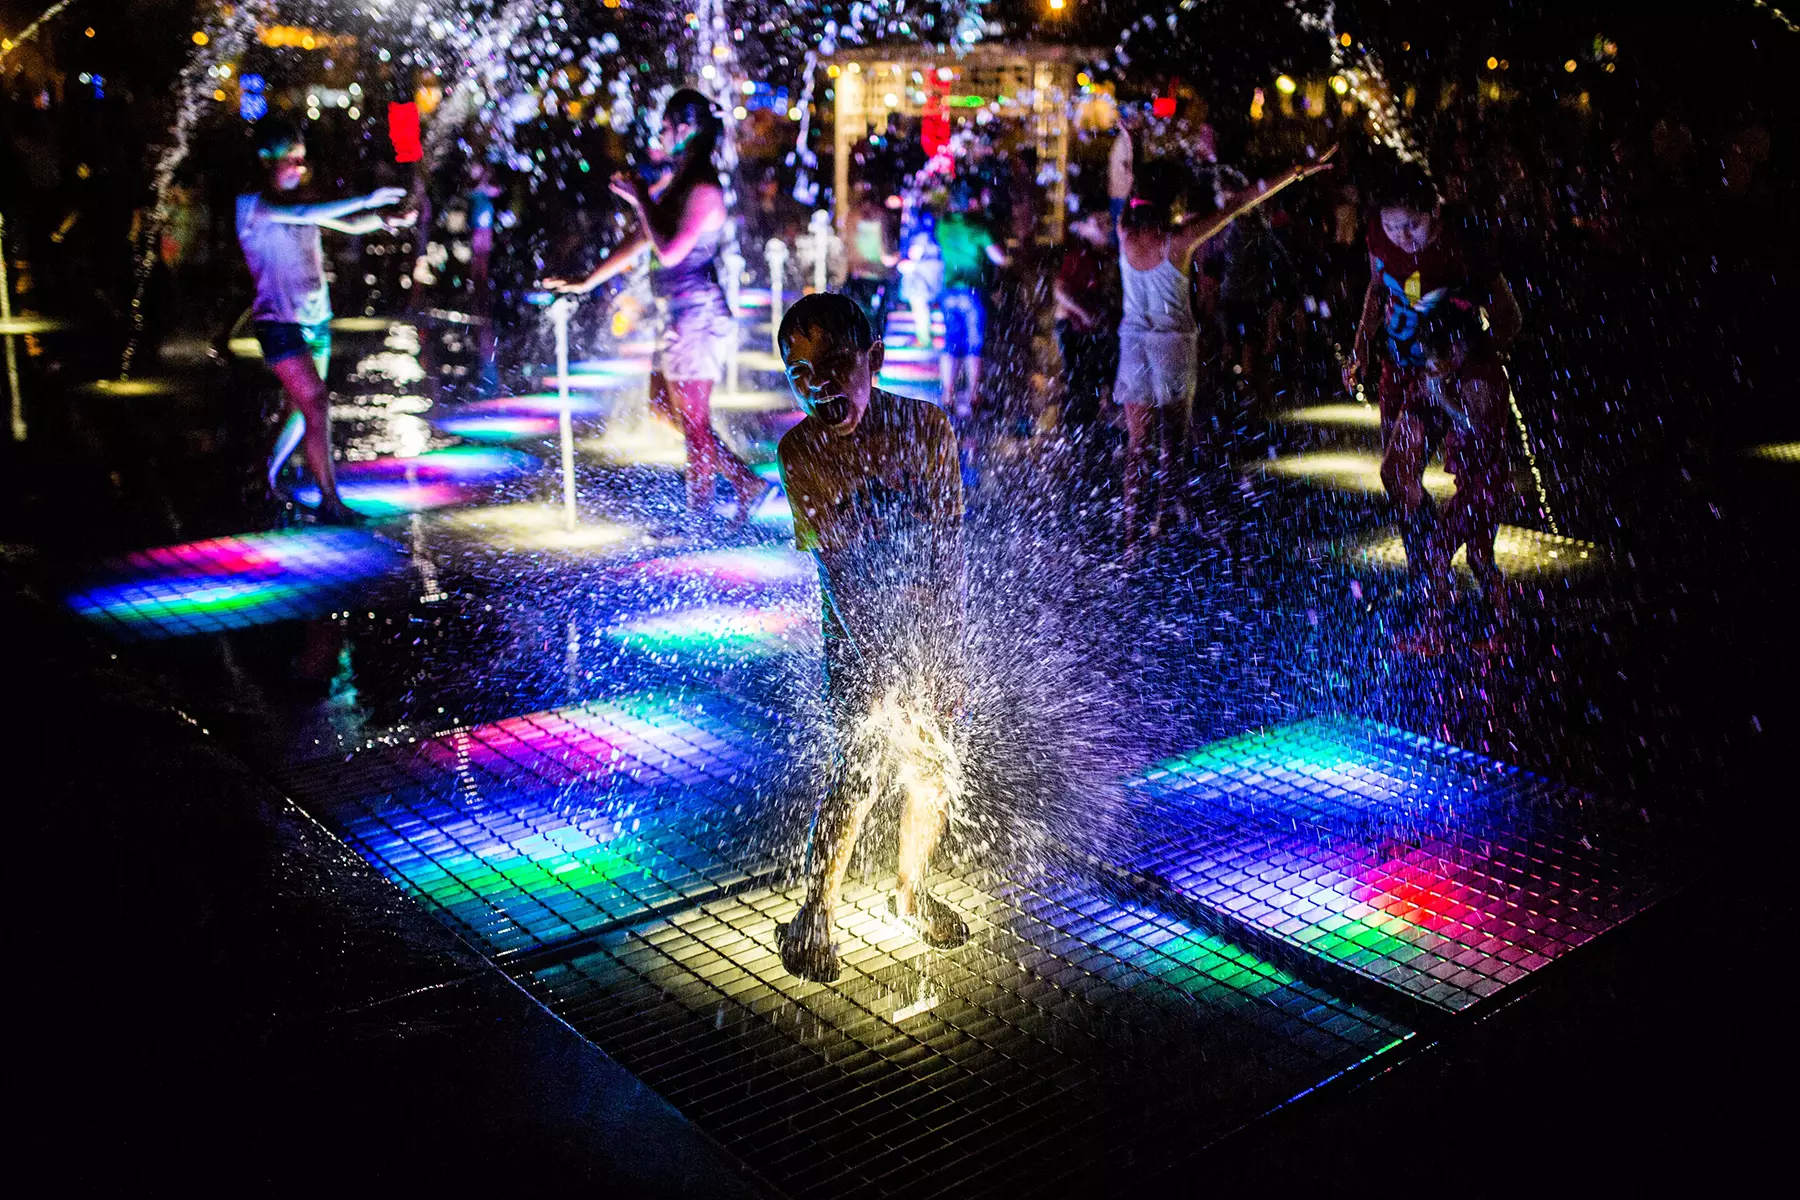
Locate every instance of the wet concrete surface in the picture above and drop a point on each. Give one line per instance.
(226, 996)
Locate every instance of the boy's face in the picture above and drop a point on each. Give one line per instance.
(831, 378)
(1408, 228)
(287, 170)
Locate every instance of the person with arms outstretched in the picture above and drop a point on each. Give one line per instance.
(876, 491)
(1158, 352)
(279, 235)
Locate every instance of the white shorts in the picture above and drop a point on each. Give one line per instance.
(1155, 368)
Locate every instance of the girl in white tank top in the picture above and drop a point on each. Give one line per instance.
(1155, 384)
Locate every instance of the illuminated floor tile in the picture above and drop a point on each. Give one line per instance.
(437, 479)
(528, 831)
(1781, 452)
(233, 582)
(1519, 552)
(1335, 416)
(532, 526)
(727, 570)
(1412, 863)
(717, 632)
(1347, 471)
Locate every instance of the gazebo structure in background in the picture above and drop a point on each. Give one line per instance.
(1031, 86)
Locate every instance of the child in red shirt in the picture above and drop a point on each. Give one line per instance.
(1442, 378)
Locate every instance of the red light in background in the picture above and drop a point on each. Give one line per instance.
(403, 131)
(1162, 106)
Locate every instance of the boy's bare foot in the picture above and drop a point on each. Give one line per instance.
(938, 925)
(808, 947)
(336, 512)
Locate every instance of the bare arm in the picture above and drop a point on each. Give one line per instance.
(1065, 303)
(361, 223)
(671, 232)
(1366, 325)
(327, 211)
(615, 263)
(1191, 231)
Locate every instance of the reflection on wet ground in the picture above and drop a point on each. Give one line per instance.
(574, 738)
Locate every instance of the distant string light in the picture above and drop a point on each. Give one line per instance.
(30, 31)
(1786, 22)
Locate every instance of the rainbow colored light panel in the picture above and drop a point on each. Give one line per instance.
(536, 828)
(233, 582)
(1433, 870)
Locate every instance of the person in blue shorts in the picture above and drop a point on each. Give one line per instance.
(966, 245)
(292, 312)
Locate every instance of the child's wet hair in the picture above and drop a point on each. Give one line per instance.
(273, 137)
(831, 313)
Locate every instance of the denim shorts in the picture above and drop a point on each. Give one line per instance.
(284, 339)
(965, 323)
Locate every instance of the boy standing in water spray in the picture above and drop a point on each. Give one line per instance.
(876, 492)
(1442, 378)
(280, 239)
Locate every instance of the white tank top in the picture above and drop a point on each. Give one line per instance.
(1156, 301)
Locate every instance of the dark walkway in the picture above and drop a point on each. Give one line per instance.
(224, 995)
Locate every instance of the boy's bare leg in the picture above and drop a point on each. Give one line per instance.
(922, 820)
(809, 946)
(306, 393)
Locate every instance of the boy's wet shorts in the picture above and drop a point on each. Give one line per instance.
(284, 339)
(965, 323)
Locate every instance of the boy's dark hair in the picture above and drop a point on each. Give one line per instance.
(273, 137)
(1405, 185)
(831, 313)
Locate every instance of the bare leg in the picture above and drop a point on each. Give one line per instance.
(693, 399)
(660, 403)
(1403, 475)
(922, 821)
(1138, 424)
(971, 365)
(809, 943)
(1175, 457)
(947, 380)
(306, 394)
(286, 442)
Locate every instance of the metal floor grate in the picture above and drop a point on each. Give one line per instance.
(525, 832)
(1415, 864)
(1300, 899)
(1072, 1025)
